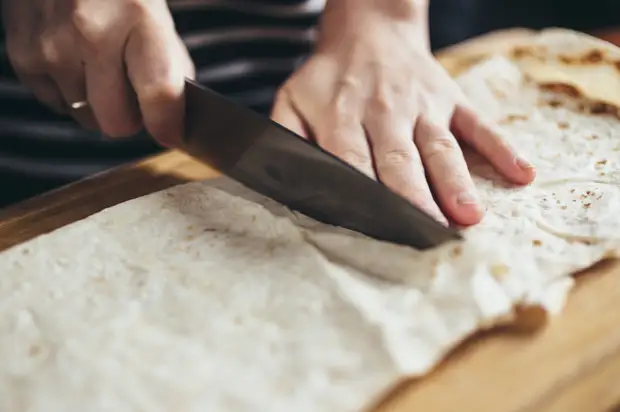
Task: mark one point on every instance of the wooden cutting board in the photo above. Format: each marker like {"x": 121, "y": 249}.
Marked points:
{"x": 571, "y": 365}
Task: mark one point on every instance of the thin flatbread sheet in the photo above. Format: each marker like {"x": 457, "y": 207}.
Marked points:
{"x": 208, "y": 297}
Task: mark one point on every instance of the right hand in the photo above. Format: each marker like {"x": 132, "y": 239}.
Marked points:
{"x": 123, "y": 57}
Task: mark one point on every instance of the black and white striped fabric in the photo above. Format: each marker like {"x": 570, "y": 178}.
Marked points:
{"x": 244, "y": 49}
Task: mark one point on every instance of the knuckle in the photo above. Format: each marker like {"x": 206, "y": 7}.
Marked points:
{"x": 92, "y": 27}
{"x": 136, "y": 8}
{"x": 381, "y": 104}
{"x": 160, "y": 91}
{"x": 356, "y": 157}
{"x": 50, "y": 48}
{"x": 398, "y": 157}
{"x": 440, "y": 146}
{"x": 342, "y": 106}
{"x": 347, "y": 97}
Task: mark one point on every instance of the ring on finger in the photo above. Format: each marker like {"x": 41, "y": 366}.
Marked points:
{"x": 78, "y": 105}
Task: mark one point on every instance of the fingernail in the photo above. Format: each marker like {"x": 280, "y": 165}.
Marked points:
{"x": 467, "y": 198}
{"x": 523, "y": 163}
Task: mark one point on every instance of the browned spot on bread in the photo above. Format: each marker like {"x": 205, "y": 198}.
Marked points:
{"x": 521, "y": 52}
{"x": 589, "y": 106}
{"x": 511, "y": 118}
{"x": 604, "y": 108}
{"x": 34, "y": 351}
{"x": 562, "y": 88}
{"x": 593, "y": 56}
{"x": 457, "y": 251}
{"x": 586, "y": 242}
{"x": 563, "y": 125}
{"x": 565, "y": 59}
{"x": 499, "y": 271}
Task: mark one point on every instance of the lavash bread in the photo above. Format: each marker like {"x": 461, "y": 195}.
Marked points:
{"x": 580, "y": 65}
{"x": 207, "y": 296}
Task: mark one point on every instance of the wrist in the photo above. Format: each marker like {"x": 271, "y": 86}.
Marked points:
{"x": 405, "y": 11}
{"x": 343, "y": 18}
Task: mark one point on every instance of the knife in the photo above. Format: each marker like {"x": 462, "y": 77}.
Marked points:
{"x": 277, "y": 163}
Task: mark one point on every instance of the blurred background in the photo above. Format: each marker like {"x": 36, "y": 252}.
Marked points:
{"x": 453, "y": 21}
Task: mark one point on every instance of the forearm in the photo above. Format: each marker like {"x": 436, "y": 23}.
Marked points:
{"x": 409, "y": 16}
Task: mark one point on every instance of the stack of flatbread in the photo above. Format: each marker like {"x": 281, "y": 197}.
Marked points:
{"x": 208, "y": 297}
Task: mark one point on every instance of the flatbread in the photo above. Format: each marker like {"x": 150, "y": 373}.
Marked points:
{"x": 582, "y": 65}
{"x": 208, "y": 297}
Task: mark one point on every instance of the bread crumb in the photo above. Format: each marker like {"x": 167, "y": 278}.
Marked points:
{"x": 582, "y": 241}
{"x": 457, "y": 251}
{"x": 511, "y": 118}
{"x": 536, "y": 242}
{"x": 563, "y": 125}
{"x": 499, "y": 271}
{"x": 34, "y": 351}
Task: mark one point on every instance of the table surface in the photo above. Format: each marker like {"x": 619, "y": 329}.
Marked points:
{"x": 571, "y": 364}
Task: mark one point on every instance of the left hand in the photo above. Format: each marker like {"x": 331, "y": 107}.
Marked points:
{"x": 373, "y": 95}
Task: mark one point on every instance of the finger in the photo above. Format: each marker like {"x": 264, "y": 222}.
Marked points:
{"x": 71, "y": 81}
{"x": 398, "y": 163}
{"x": 284, "y": 114}
{"x": 110, "y": 96}
{"x": 347, "y": 140}
{"x": 483, "y": 137}
{"x": 448, "y": 173}
{"x": 157, "y": 65}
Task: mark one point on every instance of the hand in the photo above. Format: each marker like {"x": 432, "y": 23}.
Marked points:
{"x": 123, "y": 57}
{"x": 373, "y": 95}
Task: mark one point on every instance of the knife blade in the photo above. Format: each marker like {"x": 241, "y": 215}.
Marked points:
{"x": 277, "y": 163}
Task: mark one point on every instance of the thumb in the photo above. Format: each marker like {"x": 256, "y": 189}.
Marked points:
{"x": 285, "y": 114}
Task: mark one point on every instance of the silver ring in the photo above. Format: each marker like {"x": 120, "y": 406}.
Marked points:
{"x": 79, "y": 105}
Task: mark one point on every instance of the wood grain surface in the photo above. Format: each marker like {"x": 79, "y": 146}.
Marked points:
{"x": 572, "y": 364}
